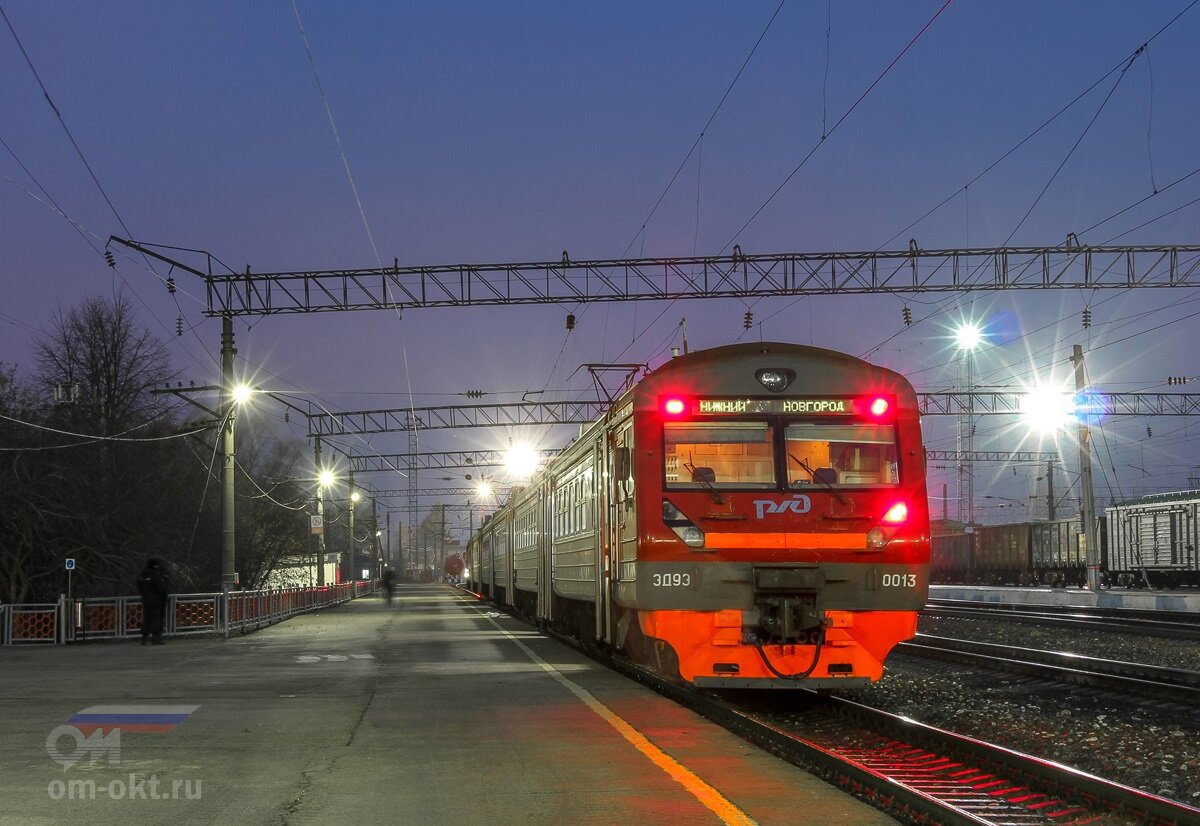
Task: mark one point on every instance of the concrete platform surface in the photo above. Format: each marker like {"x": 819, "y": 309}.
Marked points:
{"x": 432, "y": 711}
{"x": 1142, "y": 600}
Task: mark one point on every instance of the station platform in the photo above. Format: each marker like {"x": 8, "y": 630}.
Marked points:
{"x": 434, "y": 710}
{"x": 1148, "y": 600}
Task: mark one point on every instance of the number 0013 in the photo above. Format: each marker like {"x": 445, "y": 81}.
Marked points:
{"x": 899, "y": 580}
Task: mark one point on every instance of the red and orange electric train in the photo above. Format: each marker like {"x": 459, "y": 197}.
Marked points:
{"x": 753, "y": 515}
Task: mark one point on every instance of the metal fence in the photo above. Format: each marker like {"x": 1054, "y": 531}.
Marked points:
{"x": 97, "y": 618}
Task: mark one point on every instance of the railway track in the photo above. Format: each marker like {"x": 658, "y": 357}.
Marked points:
{"x": 1156, "y": 683}
{"x": 916, "y": 772}
{"x": 1165, "y": 624}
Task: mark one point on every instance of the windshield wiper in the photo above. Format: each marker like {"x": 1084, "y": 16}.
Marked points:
{"x": 703, "y": 477}
{"x": 822, "y": 481}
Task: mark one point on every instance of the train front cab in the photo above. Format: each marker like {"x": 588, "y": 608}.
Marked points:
{"x": 782, "y": 540}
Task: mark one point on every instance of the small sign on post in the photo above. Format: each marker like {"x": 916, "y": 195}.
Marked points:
{"x": 70, "y": 564}
{"x": 317, "y": 526}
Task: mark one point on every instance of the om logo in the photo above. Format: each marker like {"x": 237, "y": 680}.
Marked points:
{"x": 799, "y": 503}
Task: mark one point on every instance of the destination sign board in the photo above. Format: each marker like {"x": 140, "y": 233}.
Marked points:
{"x": 808, "y": 406}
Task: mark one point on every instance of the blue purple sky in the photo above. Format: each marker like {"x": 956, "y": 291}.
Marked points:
{"x": 493, "y": 132}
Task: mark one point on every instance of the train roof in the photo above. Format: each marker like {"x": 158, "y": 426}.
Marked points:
{"x": 1161, "y": 498}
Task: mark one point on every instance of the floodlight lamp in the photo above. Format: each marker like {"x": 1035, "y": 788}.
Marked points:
{"x": 1048, "y": 410}
{"x": 968, "y": 336}
{"x": 241, "y": 393}
{"x": 325, "y": 478}
{"x": 521, "y": 460}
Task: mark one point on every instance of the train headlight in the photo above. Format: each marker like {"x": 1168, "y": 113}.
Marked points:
{"x": 683, "y": 527}
{"x": 775, "y": 379}
{"x": 880, "y": 535}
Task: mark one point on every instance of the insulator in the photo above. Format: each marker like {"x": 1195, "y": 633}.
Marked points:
{"x": 1149, "y": 432}
{"x": 179, "y": 325}
{"x": 907, "y": 312}
{"x": 287, "y": 416}
{"x": 1087, "y": 317}
{"x": 108, "y": 258}
{"x": 171, "y": 284}
{"x": 748, "y": 321}
{"x": 1177, "y": 380}
{"x": 570, "y": 321}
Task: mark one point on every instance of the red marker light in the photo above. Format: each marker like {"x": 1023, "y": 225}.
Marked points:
{"x": 673, "y": 407}
{"x": 879, "y": 407}
{"x": 897, "y": 514}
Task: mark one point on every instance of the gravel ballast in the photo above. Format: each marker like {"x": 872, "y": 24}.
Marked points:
{"x": 1121, "y": 739}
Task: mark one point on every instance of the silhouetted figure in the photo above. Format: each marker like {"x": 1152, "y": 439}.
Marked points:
{"x": 153, "y": 586}
{"x": 389, "y": 584}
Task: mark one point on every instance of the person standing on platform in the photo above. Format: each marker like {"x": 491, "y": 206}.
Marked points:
{"x": 389, "y": 584}
{"x": 154, "y": 588}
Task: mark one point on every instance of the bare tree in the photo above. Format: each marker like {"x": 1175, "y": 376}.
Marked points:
{"x": 104, "y": 365}
{"x": 113, "y": 502}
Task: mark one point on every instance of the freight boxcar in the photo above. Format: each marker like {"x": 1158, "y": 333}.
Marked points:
{"x": 1153, "y": 541}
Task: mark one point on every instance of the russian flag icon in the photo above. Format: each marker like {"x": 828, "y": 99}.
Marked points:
{"x": 145, "y": 718}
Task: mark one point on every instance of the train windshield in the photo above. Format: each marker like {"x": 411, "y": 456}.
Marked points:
{"x": 719, "y": 454}
{"x": 843, "y": 455}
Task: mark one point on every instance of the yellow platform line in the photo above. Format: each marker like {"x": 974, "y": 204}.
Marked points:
{"x": 709, "y": 797}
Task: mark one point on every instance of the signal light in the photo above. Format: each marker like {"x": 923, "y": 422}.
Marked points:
{"x": 897, "y": 514}
{"x": 879, "y": 407}
{"x": 673, "y": 407}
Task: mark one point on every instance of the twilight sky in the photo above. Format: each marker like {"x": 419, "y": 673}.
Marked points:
{"x": 505, "y": 132}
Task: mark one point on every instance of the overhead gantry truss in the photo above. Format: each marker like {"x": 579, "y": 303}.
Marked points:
{"x": 432, "y": 460}
{"x": 404, "y": 419}
{"x": 977, "y": 403}
{"x": 1019, "y": 456}
{"x": 736, "y": 275}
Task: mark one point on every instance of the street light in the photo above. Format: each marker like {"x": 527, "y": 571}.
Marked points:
{"x": 521, "y": 460}
{"x": 967, "y": 337}
{"x": 355, "y": 496}
{"x": 325, "y": 478}
{"x": 234, "y": 397}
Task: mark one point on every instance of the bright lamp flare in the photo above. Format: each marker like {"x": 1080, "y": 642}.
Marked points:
{"x": 968, "y": 336}
{"x": 325, "y": 478}
{"x": 521, "y": 461}
{"x": 1047, "y": 410}
{"x": 242, "y": 393}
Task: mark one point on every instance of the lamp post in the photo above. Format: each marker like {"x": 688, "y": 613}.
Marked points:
{"x": 324, "y": 480}
{"x": 232, "y": 397}
{"x": 968, "y": 337}
{"x": 1092, "y": 551}
{"x": 354, "y": 497}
